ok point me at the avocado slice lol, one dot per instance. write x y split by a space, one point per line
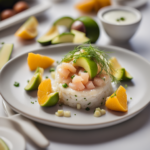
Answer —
34 82
127 76
80 37
92 28
5 53
63 38
89 65
46 39
64 21
119 74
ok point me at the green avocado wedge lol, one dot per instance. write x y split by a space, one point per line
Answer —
3 145
5 53
119 74
127 76
63 38
34 82
47 38
92 28
89 65
64 21
80 37
52 100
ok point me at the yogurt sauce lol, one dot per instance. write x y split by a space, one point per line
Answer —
120 17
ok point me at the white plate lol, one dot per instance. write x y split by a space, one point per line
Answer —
19 100
12 138
36 7
130 3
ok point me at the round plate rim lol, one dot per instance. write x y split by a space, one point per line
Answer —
77 126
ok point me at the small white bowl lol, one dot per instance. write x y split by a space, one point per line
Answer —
119 32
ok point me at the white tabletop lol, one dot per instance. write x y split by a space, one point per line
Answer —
133 134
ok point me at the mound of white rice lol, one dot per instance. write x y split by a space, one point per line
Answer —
86 98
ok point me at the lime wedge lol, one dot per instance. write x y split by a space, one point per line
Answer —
3 145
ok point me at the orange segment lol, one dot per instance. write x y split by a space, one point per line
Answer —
44 91
118 100
86 6
37 60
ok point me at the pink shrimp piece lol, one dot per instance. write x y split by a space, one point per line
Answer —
63 72
77 86
90 85
98 81
77 79
85 77
69 67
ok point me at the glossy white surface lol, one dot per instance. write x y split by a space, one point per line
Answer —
10 135
132 134
120 32
114 17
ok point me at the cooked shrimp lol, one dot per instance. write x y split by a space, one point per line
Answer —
77 79
77 86
63 72
98 81
85 77
69 67
90 85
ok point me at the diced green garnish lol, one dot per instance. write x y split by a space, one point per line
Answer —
65 85
87 108
51 70
72 76
16 84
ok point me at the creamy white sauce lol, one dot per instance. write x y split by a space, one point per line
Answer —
120 17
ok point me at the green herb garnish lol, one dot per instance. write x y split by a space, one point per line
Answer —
126 85
89 103
16 84
85 71
67 99
32 102
75 95
3 43
76 99
46 77
28 81
51 69
122 18
75 114
118 20
65 85
130 97
87 108
72 76
99 56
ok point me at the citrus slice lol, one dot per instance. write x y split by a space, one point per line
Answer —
45 95
37 60
118 100
28 30
34 82
3 145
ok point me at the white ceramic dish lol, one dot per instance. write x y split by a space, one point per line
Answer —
20 101
8 133
130 3
120 32
36 7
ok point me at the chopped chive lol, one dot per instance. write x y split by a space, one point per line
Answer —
16 84
51 70
118 20
87 108
89 103
2 43
32 102
84 98
46 77
65 85
67 99
75 114
72 76
76 99
75 95
126 85
74 61
130 97
122 18
85 71
28 81
57 62
35 101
